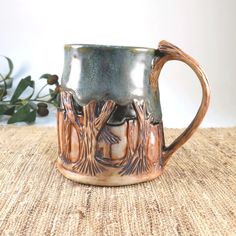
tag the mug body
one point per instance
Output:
(109, 121)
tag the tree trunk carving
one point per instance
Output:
(88, 128)
(86, 140)
(136, 161)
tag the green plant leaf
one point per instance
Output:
(10, 111)
(24, 114)
(3, 108)
(3, 93)
(6, 109)
(6, 83)
(10, 65)
(55, 102)
(54, 98)
(8, 79)
(24, 83)
(52, 93)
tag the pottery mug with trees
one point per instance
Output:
(110, 128)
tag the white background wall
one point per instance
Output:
(33, 33)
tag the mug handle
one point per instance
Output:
(167, 52)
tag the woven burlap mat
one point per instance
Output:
(196, 195)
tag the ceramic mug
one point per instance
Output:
(110, 127)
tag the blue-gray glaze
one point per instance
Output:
(118, 73)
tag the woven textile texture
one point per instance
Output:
(196, 195)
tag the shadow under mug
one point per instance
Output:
(110, 129)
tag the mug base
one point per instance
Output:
(110, 179)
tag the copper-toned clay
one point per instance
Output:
(110, 129)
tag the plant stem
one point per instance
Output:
(4, 102)
(40, 91)
(5, 85)
(42, 96)
(30, 100)
(38, 100)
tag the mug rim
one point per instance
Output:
(102, 46)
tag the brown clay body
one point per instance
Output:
(94, 148)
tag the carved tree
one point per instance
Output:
(136, 161)
(88, 128)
